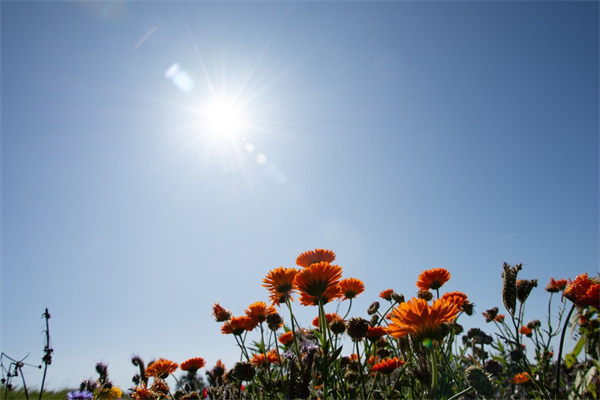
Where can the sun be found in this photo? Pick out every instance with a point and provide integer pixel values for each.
(224, 117)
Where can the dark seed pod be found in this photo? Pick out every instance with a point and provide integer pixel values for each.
(509, 287)
(479, 381)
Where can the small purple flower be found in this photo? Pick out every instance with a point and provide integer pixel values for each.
(80, 395)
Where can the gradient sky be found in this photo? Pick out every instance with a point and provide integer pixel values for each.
(401, 135)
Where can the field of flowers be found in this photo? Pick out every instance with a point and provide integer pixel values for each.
(398, 348)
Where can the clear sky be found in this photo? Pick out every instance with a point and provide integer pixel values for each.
(401, 135)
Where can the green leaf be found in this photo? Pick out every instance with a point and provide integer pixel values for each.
(571, 358)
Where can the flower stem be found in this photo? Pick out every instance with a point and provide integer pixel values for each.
(457, 395)
(560, 350)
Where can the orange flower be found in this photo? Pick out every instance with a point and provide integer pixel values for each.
(458, 298)
(499, 318)
(280, 282)
(142, 393)
(556, 286)
(433, 279)
(386, 294)
(259, 359)
(221, 314)
(310, 257)
(193, 364)
(521, 378)
(420, 320)
(525, 330)
(329, 317)
(388, 366)
(161, 368)
(375, 333)
(237, 325)
(351, 287)
(286, 338)
(259, 311)
(583, 291)
(273, 357)
(319, 281)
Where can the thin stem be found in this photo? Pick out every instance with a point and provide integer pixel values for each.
(560, 350)
(457, 395)
(434, 372)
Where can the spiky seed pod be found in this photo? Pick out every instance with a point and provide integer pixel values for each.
(398, 298)
(509, 287)
(524, 288)
(357, 328)
(534, 324)
(479, 381)
(373, 308)
(493, 367)
(374, 320)
(274, 321)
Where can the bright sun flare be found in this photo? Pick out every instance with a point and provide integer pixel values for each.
(224, 117)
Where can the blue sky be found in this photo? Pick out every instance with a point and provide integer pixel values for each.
(401, 135)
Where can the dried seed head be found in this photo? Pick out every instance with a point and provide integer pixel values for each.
(524, 288)
(373, 308)
(509, 287)
(479, 381)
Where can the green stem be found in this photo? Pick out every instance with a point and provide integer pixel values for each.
(434, 372)
(560, 350)
(457, 395)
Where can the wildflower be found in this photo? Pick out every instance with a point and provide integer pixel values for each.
(319, 281)
(286, 338)
(193, 364)
(329, 317)
(479, 381)
(161, 368)
(237, 325)
(142, 393)
(583, 291)
(533, 324)
(493, 367)
(280, 283)
(160, 388)
(259, 360)
(259, 311)
(274, 321)
(525, 330)
(521, 378)
(499, 318)
(337, 326)
(386, 294)
(80, 395)
(373, 308)
(221, 314)
(524, 288)
(375, 333)
(388, 366)
(458, 298)
(243, 371)
(398, 298)
(433, 279)
(351, 287)
(479, 336)
(310, 257)
(556, 286)
(490, 314)
(425, 295)
(421, 320)
(273, 357)
(358, 328)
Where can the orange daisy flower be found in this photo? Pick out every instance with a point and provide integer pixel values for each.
(521, 378)
(351, 287)
(193, 364)
(161, 368)
(273, 357)
(286, 338)
(375, 333)
(259, 359)
(280, 283)
(458, 298)
(310, 257)
(433, 279)
(556, 286)
(259, 311)
(237, 325)
(220, 314)
(386, 294)
(319, 281)
(329, 317)
(525, 330)
(583, 291)
(421, 320)
(388, 366)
